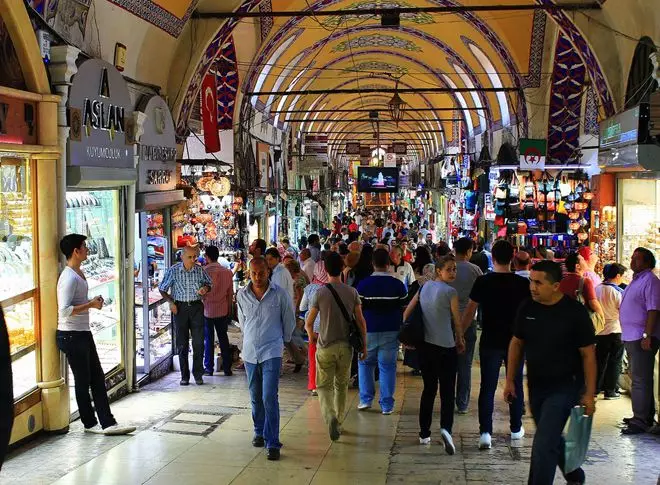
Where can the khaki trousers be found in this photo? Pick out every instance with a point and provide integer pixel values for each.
(333, 371)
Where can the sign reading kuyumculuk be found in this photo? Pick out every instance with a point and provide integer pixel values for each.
(99, 106)
(156, 146)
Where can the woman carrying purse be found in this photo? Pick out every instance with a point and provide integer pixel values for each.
(443, 340)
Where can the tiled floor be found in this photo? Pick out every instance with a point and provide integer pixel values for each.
(202, 435)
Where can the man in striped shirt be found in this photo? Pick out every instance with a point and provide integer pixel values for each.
(188, 283)
(217, 312)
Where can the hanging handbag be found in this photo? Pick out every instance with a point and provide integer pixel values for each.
(514, 208)
(514, 189)
(355, 338)
(597, 319)
(412, 331)
(512, 227)
(522, 227)
(529, 210)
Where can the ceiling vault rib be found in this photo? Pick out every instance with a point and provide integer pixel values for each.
(384, 108)
(367, 120)
(383, 90)
(570, 7)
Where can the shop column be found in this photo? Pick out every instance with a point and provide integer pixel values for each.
(54, 391)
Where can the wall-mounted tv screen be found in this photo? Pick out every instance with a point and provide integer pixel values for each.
(378, 179)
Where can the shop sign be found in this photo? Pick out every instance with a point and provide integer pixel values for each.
(353, 148)
(489, 210)
(99, 106)
(390, 160)
(18, 121)
(400, 148)
(157, 147)
(316, 144)
(310, 163)
(620, 130)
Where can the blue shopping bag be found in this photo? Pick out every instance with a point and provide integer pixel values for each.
(577, 439)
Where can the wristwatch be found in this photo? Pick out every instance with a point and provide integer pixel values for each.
(645, 336)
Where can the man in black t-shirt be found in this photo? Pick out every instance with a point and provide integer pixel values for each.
(499, 294)
(557, 337)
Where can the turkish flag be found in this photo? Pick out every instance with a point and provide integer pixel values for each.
(210, 114)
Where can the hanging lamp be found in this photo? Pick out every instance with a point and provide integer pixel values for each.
(396, 105)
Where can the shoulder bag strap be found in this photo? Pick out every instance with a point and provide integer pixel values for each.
(339, 303)
(580, 292)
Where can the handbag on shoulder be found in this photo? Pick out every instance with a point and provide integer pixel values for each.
(354, 334)
(412, 331)
(597, 319)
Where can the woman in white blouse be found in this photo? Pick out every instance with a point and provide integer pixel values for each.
(609, 348)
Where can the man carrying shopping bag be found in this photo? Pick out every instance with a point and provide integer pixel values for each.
(557, 337)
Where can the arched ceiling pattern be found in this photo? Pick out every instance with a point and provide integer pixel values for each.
(426, 51)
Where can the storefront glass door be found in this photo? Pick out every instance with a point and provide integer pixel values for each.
(95, 214)
(18, 292)
(153, 319)
(639, 216)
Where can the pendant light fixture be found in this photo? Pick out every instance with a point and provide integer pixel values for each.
(396, 106)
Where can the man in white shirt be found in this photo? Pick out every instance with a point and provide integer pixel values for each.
(74, 338)
(402, 270)
(307, 263)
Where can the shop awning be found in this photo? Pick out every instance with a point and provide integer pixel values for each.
(150, 201)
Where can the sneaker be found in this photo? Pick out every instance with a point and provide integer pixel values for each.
(96, 429)
(519, 435)
(485, 441)
(462, 412)
(184, 382)
(208, 373)
(611, 396)
(364, 405)
(118, 430)
(425, 441)
(315, 392)
(334, 429)
(387, 412)
(448, 442)
(258, 442)
(199, 381)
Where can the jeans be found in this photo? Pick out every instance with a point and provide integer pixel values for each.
(491, 362)
(438, 365)
(382, 351)
(219, 326)
(464, 375)
(609, 354)
(263, 381)
(642, 366)
(80, 351)
(189, 320)
(333, 369)
(551, 409)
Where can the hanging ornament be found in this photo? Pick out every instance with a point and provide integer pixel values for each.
(574, 215)
(582, 236)
(574, 226)
(588, 195)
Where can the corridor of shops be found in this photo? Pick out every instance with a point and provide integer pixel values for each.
(202, 435)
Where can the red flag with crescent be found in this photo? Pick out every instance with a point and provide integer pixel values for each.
(209, 103)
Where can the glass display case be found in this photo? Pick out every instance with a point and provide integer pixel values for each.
(17, 270)
(95, 214)
(153, 319)
(639, 217)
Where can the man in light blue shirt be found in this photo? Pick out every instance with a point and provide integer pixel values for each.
(266, 316)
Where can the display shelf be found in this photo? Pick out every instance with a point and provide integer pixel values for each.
(22, 351)
(152, 305)
(93, 284)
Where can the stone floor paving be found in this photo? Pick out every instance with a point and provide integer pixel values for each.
(202, 435)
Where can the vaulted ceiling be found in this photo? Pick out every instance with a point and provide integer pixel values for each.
(465, 50)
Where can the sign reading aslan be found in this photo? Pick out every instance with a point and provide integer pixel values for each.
(99, 105)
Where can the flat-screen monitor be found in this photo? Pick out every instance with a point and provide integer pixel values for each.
(378, 179)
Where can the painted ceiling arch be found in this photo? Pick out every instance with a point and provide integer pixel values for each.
(505, 39)
(377, 53)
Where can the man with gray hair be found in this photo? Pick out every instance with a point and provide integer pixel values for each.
(188, 283)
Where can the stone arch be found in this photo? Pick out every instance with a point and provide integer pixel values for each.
(24, 41)
(640, 77)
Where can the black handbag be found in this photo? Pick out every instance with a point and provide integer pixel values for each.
(354, 335)
(412, 331)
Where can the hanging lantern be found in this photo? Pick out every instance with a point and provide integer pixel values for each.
(588, 195)
(238, 200)
(227, 214)
(582, 236)
(574, 226)
(235, 207)
(396, 106)
(574, 216)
